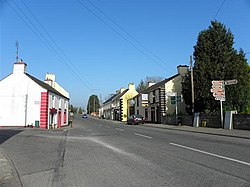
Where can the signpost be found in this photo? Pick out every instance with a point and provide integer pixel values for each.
(218, 90)
(174, 100)
(230, 82)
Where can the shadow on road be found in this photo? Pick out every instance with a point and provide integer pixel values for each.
(6, 134)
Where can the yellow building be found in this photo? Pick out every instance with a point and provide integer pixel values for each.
(116, 107)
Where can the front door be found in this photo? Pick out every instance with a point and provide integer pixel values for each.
(59, 119)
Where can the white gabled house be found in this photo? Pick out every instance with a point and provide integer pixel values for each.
(27, 101)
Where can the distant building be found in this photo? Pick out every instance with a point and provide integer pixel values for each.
(155, 102)
(116, 107)
(27, 101)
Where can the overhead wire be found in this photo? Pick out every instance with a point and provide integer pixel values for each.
(42, 38)
(55, 43)
(218, 11)
(126, 32)
(119, 34)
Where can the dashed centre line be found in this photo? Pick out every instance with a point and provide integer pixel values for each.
(142, 135)
(119, 129)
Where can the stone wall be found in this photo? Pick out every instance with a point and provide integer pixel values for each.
(210, 120)
(241, 121)
(171, 120)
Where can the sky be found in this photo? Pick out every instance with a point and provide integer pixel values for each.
(98, 46)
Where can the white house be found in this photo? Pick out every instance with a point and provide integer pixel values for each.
(27, 101)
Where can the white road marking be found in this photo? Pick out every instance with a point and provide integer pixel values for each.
(211, 154)
(119, 129)
(107, 127)
(100, 125)
(143, 135)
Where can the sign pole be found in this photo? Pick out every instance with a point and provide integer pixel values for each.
(221, 113)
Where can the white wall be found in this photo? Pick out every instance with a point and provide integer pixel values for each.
(20, 101)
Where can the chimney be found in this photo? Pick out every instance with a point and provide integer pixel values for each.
(19, 67)
(151, 83)
(131, 86)
(50, 79)
(182, 69)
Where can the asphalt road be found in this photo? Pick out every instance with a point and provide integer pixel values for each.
(99, 152)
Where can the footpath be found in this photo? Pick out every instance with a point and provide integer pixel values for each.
(213, 131)
(7, 175)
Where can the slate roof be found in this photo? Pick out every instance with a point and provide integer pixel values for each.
(120, 94)
(116, 96)
(110, 99)
(45, 85)
(159, 84)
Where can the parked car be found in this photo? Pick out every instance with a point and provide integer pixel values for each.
(84, 116)
(135, 119)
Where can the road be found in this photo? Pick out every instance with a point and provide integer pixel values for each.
(98, 152)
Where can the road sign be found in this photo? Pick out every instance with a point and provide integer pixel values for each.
(221, 82)
(230, 82)
(217, 86)
(217, 90)
(218, 94)
(220, 98)
(171, 93)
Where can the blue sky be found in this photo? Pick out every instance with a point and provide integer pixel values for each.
(99, 46)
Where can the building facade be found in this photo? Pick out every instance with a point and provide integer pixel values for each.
(155, 101)
(116, 107)
(27, 101)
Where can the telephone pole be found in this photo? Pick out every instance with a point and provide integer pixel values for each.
(192, 83)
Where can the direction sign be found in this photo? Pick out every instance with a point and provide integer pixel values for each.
(216, 90)
(217, 86)
(220, 98)
(217, 82)
(218, 94)
(230, 82)
(171, 93)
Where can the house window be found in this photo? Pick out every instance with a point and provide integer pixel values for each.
(53, 101)
(60, 103)
(65, 105)
(154, 96)
(137, 101)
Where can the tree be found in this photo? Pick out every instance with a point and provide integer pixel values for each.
(144, 83)
(93, 104)
(80, 110)
(216, 59)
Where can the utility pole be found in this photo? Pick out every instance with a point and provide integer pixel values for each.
(192, 83)
(94, 103)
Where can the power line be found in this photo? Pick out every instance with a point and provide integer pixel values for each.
(42, 38)
(219, 9)
(126, 32)
(51, 38)
(119, 34)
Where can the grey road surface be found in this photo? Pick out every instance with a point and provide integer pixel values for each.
(99, 152)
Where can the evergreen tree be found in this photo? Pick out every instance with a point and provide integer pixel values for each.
(216, 59)
(93, 104)
(80, 110)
